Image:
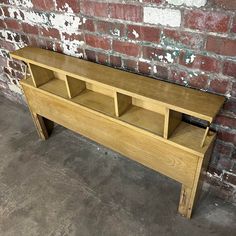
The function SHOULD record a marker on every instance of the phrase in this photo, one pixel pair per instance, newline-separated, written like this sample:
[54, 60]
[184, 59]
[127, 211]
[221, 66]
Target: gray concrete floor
[69, 185]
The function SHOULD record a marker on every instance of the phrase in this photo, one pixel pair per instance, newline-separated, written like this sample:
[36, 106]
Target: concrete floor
[69, 185]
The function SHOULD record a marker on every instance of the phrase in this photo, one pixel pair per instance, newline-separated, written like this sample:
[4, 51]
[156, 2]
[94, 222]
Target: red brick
[126, 12]
[50, 32]
[174, 37]
[30, 29]
[5, 1]
[233, 92]
[230, 178]
[178, 76]
[144, 67]
[68, 5]
[7, 45]
[73, 36]
[227, 137]
[144, 33]
[102, 58]
[201, 62]
[53, 46]
[221, 46]
[160, 72]
[91, 56]
[226, 121]
[219, 86]
[210, 21]
[154, 1]
[3, 61]
[233, 29]
[130, 65]
[98, 42]
[230, 105]
[159, 54]
[223, 149]
[2, 24]
[114, 29]
[229, 68]
[94, 8]
[225, 4]
[199, 81]
[127, 48]
[12, 24]
[5, 11]
[89, 25]
[44, 4]
[33, 40]
[15, 65]
[115, 61]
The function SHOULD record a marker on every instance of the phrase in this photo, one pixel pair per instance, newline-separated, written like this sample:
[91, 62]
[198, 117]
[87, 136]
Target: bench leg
[187, 199]
[190, 195]
[43, 126]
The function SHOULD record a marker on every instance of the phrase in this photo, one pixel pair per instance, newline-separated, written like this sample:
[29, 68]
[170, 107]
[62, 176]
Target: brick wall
[188, 42]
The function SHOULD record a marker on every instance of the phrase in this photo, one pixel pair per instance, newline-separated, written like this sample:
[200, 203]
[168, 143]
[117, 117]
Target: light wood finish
[145, 119]
[96, 101]
[190, 143]
[57, 87]
[59, 76]
[40, 75]
[190, 195]
[122, 103]
[153, 153]
[131, 114]
[74, 86]
[172, 120]
[178, 98]
[205, 135]
[100, 89]
[149, 106]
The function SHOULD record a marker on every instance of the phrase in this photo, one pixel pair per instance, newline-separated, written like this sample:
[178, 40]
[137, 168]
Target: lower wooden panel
[155, 154]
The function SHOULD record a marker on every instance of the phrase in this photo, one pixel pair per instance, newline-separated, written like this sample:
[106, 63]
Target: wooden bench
[134, 115]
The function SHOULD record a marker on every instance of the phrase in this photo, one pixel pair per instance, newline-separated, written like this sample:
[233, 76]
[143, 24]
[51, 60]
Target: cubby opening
[91, 96]
[140, 113]
[48, 80]
[184, 133]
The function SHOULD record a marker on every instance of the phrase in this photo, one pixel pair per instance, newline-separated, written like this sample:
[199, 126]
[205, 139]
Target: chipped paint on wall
[25, 3]
[189, 3]
[135, 33]
[168, 17]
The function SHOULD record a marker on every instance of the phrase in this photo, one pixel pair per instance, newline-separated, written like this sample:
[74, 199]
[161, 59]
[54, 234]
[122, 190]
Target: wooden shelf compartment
[139, 113]
[48, 80]
[191, 136]
[182, 99]
[91, 96]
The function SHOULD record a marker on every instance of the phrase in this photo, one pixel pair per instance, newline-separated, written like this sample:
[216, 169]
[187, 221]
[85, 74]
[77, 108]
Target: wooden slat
[178, 98]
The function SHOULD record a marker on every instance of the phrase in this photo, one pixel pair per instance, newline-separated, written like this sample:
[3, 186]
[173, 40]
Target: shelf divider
[172, 120]
[74, 86]
[40, 75]
[122, 103]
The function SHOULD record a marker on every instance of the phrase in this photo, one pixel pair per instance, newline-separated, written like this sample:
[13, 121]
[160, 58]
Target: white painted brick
[169, 17]
[190, 3]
